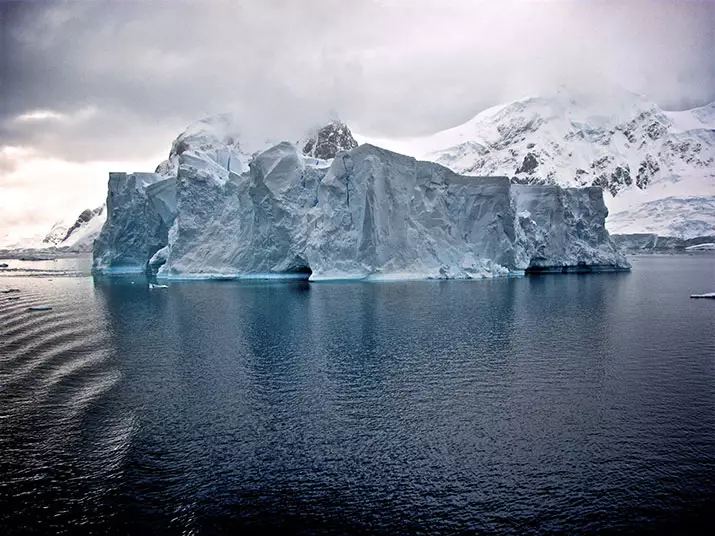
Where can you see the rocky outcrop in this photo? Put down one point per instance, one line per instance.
(82, 220)
(329, 141)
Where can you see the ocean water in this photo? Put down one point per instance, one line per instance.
(545, 404)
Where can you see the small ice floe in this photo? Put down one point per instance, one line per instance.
(710, 295)
(709, 246)
(152, 286)
(39, 308)
(9, 290)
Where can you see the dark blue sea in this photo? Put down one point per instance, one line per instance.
(560, 404)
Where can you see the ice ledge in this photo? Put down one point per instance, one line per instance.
(577, 269)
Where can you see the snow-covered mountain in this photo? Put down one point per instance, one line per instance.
(682, 217)
(78, 235)
(74, 235)
(57, 234)
(644, 158)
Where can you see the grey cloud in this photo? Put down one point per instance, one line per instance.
(388, 68)
(7, 165)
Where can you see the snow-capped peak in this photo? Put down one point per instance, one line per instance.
(327, 141)
(77, 235)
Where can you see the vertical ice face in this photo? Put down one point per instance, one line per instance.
(134, 229)
(564, 227)
(249, 223)
(381, 214)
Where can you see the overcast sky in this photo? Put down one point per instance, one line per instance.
(89, 86)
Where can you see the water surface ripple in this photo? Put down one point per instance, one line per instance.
(552, 404)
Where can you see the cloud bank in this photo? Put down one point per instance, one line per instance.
(86, 82)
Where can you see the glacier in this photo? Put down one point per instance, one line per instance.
(324, 208)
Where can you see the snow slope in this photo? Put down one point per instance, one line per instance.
(81, 236)
(78, 235)
(682, 217)
(619, 141)
(75, 236)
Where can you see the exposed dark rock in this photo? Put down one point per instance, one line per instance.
(601, 163)
(646, 170)
(621, 177)
(628, 133)
(180, 148)
(582, 177)
(529, 164)
(83, 218)
(329, 141)
(655, 130)
(614, 181)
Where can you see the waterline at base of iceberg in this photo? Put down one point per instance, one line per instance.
(370, 278)
(579, 269)
(234, 277)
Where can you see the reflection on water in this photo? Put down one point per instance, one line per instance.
(38, 266)
(568, 404)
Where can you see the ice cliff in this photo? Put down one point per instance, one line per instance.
(327, 209)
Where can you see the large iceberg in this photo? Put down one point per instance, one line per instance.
(326, 209)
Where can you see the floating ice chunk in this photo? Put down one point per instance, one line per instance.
(708, 246)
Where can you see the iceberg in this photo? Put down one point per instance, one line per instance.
(327, 209)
